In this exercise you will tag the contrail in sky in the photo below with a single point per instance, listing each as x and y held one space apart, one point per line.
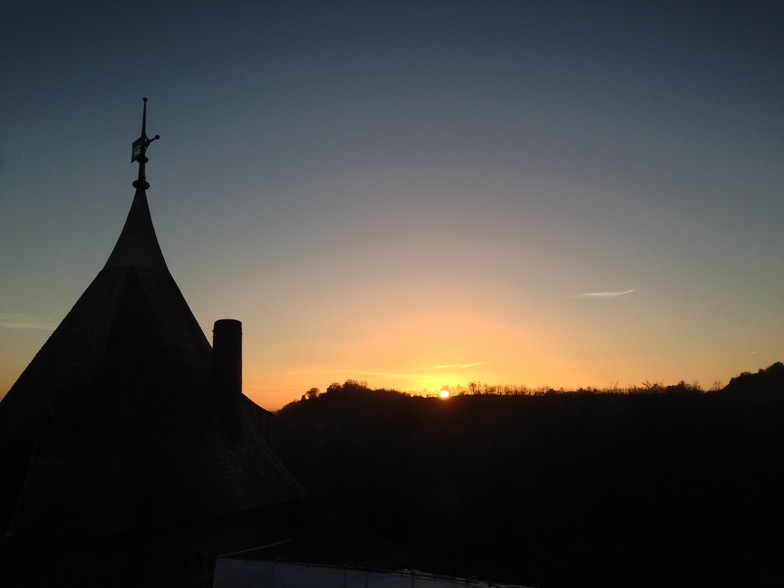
604 294
458 365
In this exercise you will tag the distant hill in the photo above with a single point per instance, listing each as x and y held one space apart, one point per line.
766 384
671 487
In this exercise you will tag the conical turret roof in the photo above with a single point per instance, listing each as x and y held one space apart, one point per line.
118 403
138 244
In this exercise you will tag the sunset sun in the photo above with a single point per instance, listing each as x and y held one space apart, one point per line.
444 394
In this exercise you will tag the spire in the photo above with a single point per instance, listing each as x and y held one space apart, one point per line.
139 151
138 244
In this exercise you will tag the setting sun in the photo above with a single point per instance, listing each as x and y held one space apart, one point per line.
444 394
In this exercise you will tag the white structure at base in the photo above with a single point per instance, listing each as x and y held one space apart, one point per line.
241 573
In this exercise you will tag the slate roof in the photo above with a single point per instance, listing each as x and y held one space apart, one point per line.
128 435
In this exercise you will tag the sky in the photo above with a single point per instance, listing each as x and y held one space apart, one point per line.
410 194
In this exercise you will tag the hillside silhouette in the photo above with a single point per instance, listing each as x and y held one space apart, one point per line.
657 486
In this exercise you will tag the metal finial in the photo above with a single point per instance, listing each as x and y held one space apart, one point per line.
139 150
144 118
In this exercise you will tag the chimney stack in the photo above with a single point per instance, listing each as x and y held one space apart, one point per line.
226 374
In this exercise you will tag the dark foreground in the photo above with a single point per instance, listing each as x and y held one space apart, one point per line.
576 489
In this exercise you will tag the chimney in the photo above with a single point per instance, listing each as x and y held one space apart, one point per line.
226 375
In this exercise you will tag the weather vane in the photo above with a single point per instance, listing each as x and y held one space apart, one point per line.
139 151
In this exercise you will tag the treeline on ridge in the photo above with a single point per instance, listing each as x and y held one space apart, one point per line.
671 487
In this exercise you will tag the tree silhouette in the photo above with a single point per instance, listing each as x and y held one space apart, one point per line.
667 486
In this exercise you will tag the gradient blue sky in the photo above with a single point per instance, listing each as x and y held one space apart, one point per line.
413 194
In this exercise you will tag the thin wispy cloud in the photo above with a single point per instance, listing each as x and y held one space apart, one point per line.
354 372
604 294
403 373
25 322
461 366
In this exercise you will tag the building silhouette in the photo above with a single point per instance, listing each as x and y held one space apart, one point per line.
130 455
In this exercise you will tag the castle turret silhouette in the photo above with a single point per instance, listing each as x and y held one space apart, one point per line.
130 457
